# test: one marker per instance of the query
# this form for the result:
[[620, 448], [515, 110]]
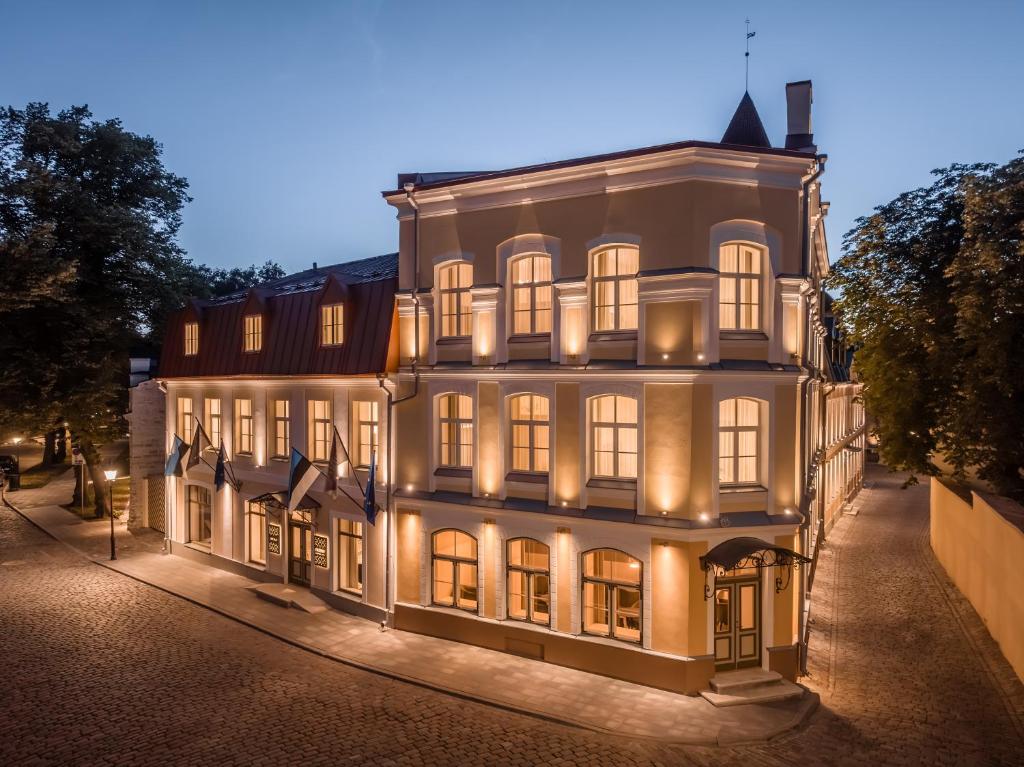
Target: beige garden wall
[[981, 550]]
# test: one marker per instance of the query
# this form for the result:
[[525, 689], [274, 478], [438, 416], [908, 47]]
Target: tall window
[[531, 295], [350, 556], [455, 422], [321, 429], [252, 332], [613, 436], [454, 565], [529, 417], [367, 425], [456, 303], [332, 324], [191, 339], [185, 424], [200, 515], [243, 426], [257, 525], [739, 287], [615, 291], [738, 438], [612, 601], [529, 581], [213, 421], [281, 430]]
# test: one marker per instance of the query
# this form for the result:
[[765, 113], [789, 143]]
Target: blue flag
[[178, 450], [370, 502], [220, 470]]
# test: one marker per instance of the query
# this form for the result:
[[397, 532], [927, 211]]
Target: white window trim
[[441, 262]]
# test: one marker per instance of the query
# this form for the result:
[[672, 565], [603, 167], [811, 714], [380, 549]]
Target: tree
[[90, 267], [931, 289]]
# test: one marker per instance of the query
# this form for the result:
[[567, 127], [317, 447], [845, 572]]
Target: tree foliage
[[932, 294], [90, 267]]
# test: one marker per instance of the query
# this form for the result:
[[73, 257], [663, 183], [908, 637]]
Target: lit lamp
[[111, 475], [17, 441]]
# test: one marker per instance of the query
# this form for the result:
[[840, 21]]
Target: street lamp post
[[111, 475]]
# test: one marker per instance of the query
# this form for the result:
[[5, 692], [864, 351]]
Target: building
[[610, 387]]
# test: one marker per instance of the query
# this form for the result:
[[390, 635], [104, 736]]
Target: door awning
[[749, 552], [279, 501]]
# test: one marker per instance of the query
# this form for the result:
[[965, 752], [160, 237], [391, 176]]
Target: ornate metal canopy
[[748, 552], [279, 501]]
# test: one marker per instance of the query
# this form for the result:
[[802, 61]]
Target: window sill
[[529, 338], [453, 472], [261, 566], [613, 335], [205, 548], [611, 641], [279, 458], [526, 477], [743, 335], [462, 611], [613, 484], [729, 489], [453, 340]]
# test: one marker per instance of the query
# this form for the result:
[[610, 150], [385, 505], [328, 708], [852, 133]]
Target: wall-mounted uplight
[[564, 504], [664, 355], [700, 357], [703, 516], [408, 488], [788, 511]]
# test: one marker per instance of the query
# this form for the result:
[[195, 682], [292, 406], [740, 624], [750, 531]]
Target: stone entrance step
[[289, 596], [755, 685]]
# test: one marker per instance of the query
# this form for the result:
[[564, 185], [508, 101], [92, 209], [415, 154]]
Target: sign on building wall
[[320, 551], [274, 539]]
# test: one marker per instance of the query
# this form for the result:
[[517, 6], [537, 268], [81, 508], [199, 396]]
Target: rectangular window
[[252, 333], [739, 287], [615, 288], [332, 324], [185, 423], [200, 515], [350, 556], [456, 300], [738, 435], [613, 437], [281, 442], [529, 422], [257, 519], [531, 295], [191, 339], [243, 426], [213, 421], [366, 428], [321, 429], [455, 424]]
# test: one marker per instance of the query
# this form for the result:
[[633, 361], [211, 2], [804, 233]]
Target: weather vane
[[746, 58]]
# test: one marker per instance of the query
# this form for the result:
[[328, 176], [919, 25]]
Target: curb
[[808, 704]]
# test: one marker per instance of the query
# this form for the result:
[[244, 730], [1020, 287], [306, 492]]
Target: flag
[[331, 485], [370, 499], [200, 442], [173, 466], [220, 471], [301, 477]]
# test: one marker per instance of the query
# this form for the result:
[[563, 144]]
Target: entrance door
[[737, 624], [300, 553]]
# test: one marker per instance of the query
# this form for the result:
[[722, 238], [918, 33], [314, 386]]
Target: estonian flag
[[200, 443], [370, 502], [331, 485], [301, 477], [173, 466], [220, 471]]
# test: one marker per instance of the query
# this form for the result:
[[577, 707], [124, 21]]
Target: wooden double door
[[737, 619]]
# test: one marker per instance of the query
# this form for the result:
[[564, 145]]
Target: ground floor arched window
[[529, 581], [612, 595], [454, 569]]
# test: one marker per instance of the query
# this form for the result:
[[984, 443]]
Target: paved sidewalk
[[518, 684]]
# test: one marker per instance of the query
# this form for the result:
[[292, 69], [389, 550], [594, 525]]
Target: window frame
[[531, 425], [191, 339], [250, 515], [277, 432], [186, 428], [457, 562], [593, 425], [344, 539], [459, 292], [241, 420], [611, 586], [530, 574], [200, 515], [739, 277], [332, 324], [252, 333], [215, 433], [327, 421], [452, 426], [532, 289], [373, 424], [616, 280], [735, 430]]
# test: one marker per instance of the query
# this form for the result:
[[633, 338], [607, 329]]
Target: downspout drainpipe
[[804, 508], [392, 526]]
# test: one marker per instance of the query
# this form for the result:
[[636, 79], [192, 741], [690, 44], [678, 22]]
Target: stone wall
[[146, 448]]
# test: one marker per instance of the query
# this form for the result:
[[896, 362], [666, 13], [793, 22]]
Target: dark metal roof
[[746, 127], [290, 310], [749, 552]]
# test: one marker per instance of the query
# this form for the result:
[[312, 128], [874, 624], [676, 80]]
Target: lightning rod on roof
[[746, 59]]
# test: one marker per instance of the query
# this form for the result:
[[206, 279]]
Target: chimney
[[800, 135]]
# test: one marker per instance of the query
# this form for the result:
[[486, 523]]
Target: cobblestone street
[[101, 669]]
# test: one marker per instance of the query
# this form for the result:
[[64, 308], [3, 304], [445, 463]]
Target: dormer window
[[332, 324], [191, 339], [252, 332], [456, 302]]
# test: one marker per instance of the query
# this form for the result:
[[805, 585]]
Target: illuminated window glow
[[200, 515], [613, 436], [191, 339], [332, 324], [738, 439], [213, 421], [455, 426], [321, 429], [243, 426], [615, 288], [281, 430], [531, 295], [529, 581], [739, 287], [530, 432], [454, 568], [456, 302], [367, 426], [350, 556], [185, 423], [252, 332], [612, 595], [257, 519]]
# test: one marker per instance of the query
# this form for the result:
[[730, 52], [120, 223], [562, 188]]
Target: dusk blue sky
[[289, 118]]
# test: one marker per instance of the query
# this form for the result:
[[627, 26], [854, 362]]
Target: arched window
[[529, 417], [613, 437], [454, 566], [739, 287], [612, 595], [529, 581], [454, 283], [615, 292], [455, 431], [531, 295], [738, 441]]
